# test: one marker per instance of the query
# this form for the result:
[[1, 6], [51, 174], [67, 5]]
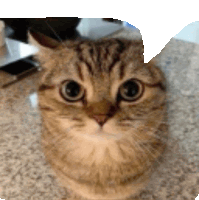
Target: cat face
[[102, 90]]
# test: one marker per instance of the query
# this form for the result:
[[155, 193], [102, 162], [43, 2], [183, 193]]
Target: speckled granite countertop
[[25, 175]]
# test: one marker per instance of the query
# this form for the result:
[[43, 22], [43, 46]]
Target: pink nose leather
[[101, 119]]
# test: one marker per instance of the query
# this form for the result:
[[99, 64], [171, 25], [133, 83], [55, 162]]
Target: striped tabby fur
[[116, 162]]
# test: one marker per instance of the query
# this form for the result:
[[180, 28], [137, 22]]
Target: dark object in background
[[117, 21], [18, 67], [65, 27], [16, 28], [54, 27]]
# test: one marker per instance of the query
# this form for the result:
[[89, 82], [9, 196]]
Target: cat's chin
[[95, 132]]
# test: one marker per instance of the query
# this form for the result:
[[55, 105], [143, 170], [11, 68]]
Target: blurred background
[[18, 60], [189, 33]]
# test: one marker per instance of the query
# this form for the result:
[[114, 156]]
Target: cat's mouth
[[100, 132]]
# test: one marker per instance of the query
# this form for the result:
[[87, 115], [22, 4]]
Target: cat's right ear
[[44, 44]]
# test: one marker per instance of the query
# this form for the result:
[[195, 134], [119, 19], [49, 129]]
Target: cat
[[104, 115]]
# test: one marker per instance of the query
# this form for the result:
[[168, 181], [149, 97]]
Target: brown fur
[[116, 162]]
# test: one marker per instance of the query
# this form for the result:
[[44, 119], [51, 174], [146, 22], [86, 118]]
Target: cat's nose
[[101, 119]]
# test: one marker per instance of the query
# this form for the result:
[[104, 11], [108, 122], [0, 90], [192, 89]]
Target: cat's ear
[[41, 41], [44, 44], [159, 76]]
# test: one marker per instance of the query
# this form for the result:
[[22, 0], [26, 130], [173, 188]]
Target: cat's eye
[[72, 91], [131, 90]]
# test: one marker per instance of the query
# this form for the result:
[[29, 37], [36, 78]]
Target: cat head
[[99, 88]]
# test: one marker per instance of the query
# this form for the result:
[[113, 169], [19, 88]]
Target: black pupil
[[72, 89], [131, 88]]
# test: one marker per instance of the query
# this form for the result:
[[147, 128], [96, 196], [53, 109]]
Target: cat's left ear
[[44, 44], [41, 41]]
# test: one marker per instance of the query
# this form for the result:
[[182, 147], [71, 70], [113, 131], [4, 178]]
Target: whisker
[[149, 133], [144, 147], [58, 37], [150, 162], [52, 146], [169, 143], [135, 155], [157, 137], [140, 148], [55, 140], [54, 32]]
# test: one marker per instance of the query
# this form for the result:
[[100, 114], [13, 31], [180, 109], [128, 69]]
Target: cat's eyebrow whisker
[[54, 32], [58, 37]]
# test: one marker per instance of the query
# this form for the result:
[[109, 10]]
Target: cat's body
[[104, 144]]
